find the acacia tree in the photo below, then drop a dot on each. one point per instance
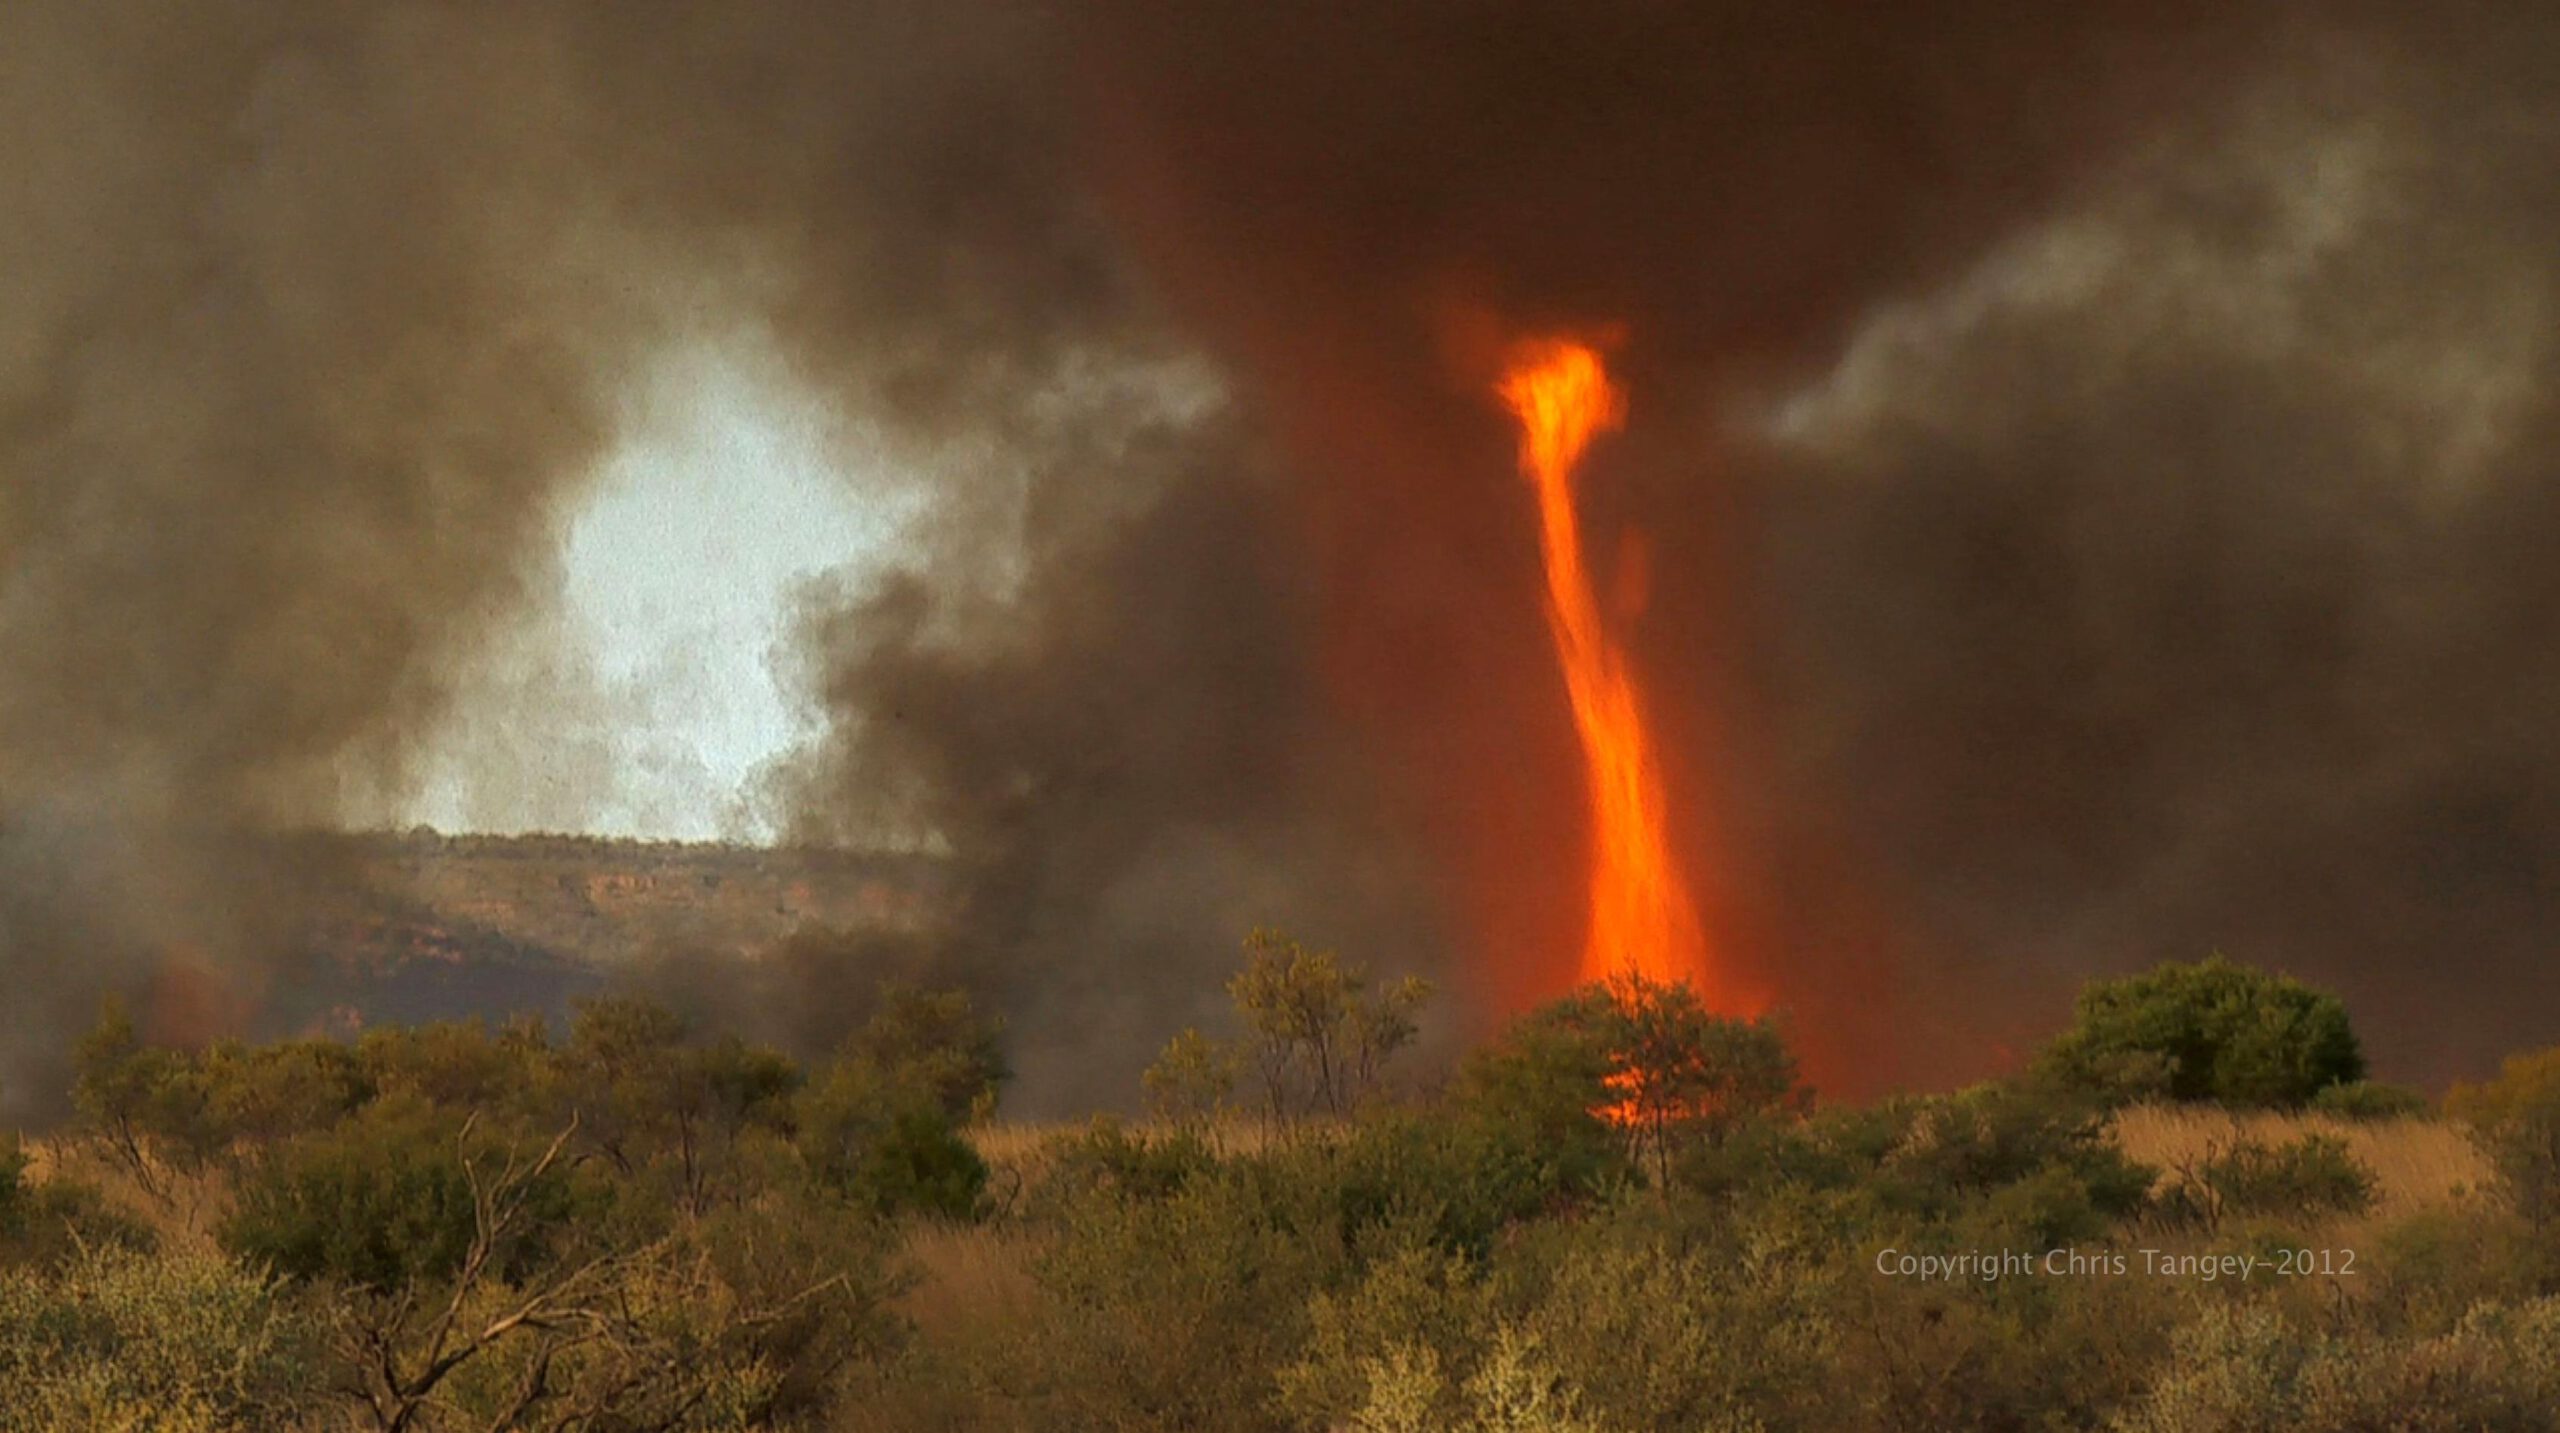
(148, 1107)
(2208, 1031)
(1683, 1075)
(1634, 1070)
(1318, 1033)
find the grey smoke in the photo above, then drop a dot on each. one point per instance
(2093, 464)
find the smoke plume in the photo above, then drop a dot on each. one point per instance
(2088, 465)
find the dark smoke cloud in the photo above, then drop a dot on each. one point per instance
(312, 315)
(283, 390)
(316, 321)
(2090, 458)
(2173, 578)
(2145, 566)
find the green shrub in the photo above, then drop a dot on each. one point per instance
(1456, 1185)
(2311, 1176)
(1515, 1389)
(1320, 1034)
(888, 1144)
(383, 1201)
(266, 1093)
(2211, 1031)
(1385, 1342)
(1637, 1065)
(1105, 1156)
(1664, 1320)
(814, 1289)
(938, 1040)
(2245, 1366)
(2369, 1100)
(118, 1339)
(1537, 1089)
(1979, 1141)
(1176, 1312)
(1193, 1081)
(462, 1065)
(2429, 1268)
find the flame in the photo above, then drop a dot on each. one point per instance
(1643, 921)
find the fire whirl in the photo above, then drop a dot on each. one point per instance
(1643, 921)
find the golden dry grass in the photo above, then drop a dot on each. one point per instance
(969, 1274)
(2418, 1163)
(1020, 1151)
(182, 1213)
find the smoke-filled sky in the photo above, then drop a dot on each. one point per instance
(653, 693)
(2091, 464)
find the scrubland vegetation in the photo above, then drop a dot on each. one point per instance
(1621, 1213)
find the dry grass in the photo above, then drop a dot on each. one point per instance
(2418, 1163)
(969, 1274)
(1020, 1152)
(181, 1213)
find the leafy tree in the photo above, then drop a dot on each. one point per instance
(1681, 1074)
(2209, 1031)
(148, 1107)
(266, 1093)
(883, 1140)
(1636, 1063)
(1540, 1089)
(1190, 1083)
(938, 1040)
(462, 1064)
(1319, 1034)
(652, 1100)
(624, 1073)
(386, 1201)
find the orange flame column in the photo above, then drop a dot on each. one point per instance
(1643, 921)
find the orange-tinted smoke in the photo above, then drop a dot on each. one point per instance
(1643, 920)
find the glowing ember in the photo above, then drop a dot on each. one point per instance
(1643, 921)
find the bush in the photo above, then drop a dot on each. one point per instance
(888, 1144)
(1980, 1141)
(1105, 1157)
(1538, 1089)
(1377, 1351)
(1663, 1320)
(119, 1339)
(382, 1201)
(1630, 1075)
(1455, 1186)
(2211, 1031)
(1176, 1313)
(2244, 1366)
(2369, 1100)
(1515, 1389)
(2311, 1176)
(2518, 1119)
(937, 1039)
(1321, 1035)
